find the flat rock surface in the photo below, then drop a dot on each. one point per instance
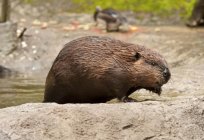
(170, 120)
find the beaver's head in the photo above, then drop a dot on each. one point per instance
(150, 69)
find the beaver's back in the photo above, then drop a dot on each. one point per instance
(94, 54)
(91, 47)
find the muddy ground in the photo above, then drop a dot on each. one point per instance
(182, 47)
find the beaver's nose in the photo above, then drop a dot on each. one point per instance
(166, 74)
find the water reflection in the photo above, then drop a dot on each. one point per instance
(19, 90)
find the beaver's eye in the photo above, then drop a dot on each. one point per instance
(137, 56)
(153, 64)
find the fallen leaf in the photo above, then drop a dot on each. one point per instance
(36, 23)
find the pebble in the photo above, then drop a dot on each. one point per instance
(22, 58)
(44, 25)
(33, 46)
(24, 44)
(34, 51)
(36, 32)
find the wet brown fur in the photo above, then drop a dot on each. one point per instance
(96, 69)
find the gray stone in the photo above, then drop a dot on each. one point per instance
(8, 37)
(170, 120)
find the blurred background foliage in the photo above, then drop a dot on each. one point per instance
(156, 7)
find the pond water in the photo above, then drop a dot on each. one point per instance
(19, 90)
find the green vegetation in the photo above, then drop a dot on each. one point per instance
(28, 1)
(157, 7)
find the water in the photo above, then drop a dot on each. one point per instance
(19, 90)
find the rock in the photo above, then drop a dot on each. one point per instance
(69, 28)
(44, 25)
(4, 72)
(180, 119)
(133, 28)
(8, 37)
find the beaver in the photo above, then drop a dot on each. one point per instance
(112, 18)
(95, 69)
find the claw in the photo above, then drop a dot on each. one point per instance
(127, 99)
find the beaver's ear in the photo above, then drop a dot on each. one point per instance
(137, 56)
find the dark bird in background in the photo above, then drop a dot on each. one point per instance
(197, 17)
(112, 18)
